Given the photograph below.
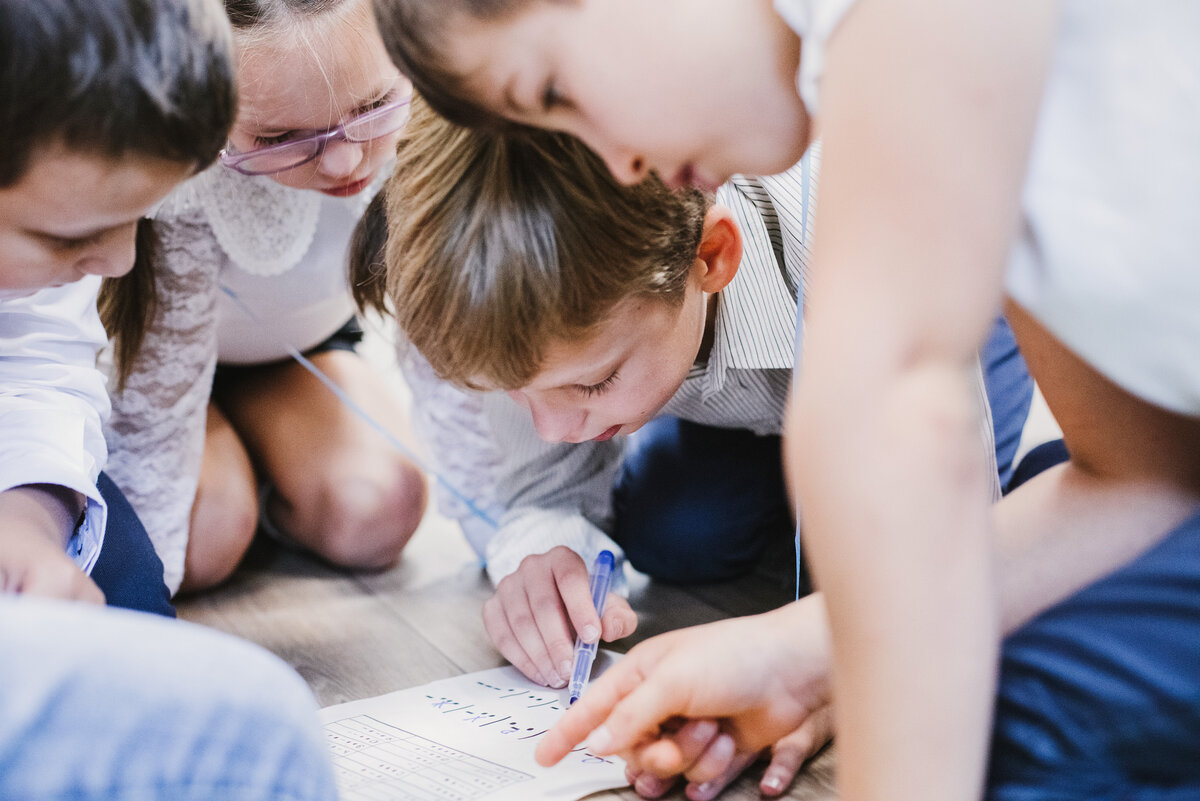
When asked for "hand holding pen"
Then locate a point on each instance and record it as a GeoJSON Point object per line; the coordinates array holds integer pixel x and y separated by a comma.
{"type": "Point", "coordinates": [537, 611]}
{"type": "Point", "coordinates": [585, 652]}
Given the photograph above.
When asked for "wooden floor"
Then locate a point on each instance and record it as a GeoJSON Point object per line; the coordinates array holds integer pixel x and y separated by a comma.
{"type": "Point", "coordinates": [353, 636]}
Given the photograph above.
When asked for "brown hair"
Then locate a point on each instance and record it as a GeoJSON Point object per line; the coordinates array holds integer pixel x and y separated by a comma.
{"type": "Point", "coordinates": [501, 243]}
{"type": "Point", "coordinates": [414, 33]}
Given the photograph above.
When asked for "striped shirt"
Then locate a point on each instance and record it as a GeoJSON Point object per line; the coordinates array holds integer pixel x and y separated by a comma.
{"type": "Point", "coordinates": [548, 494]}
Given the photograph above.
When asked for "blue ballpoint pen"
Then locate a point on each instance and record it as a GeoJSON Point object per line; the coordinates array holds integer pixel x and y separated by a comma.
{"type": "Point", "coordinates": [585, 652]}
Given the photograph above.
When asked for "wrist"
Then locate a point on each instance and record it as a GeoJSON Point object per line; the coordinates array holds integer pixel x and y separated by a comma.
{"type": "Point", "coordinates": [47, 510]}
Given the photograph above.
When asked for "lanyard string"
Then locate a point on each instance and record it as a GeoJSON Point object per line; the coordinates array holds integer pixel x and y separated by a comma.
{"type": "Point", "coordinates": [805, 184]}
{"type": "Point", "coordinates": [362, 414]}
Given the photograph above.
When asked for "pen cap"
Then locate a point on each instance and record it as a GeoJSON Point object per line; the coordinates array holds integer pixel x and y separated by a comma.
{"type": "Point", "coordinates": [601, 578]}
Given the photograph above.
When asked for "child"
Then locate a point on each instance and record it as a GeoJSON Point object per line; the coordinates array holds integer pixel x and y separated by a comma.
{"type": "Point", "coordinates": [104, 106]}
{"type": "Point", "coordinates": [517, 263]}
{"type": "Point", "coordinates": [87, 152]}
{"type": "Point", "coordinates": [250, 258]}
{"type": "Point", "coordinates": [944, 103]}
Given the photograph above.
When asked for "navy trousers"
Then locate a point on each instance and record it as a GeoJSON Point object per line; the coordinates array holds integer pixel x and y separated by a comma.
{"type": "Point", "coordinates": [697, 503]}
{"type": "Point", "coordinates": [128, 570]}
{"type": "Point", "coordinates": [1099, 696]}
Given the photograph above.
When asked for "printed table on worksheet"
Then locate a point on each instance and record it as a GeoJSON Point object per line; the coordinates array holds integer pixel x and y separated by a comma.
{"type": "Point", "coordinates": [467, 737]}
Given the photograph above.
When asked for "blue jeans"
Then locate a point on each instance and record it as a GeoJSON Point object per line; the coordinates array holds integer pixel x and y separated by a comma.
{"type": "Point", "coordinates": [128, 569]}
{"type": "Point", "coordinates": [697, 503]}
{"type": "Point", "coordinates": [100, 704]}
{"type": "Point", "coordinates": [1099, 696]}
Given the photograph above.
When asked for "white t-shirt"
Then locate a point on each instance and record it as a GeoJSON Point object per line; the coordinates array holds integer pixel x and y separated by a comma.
{"type": "Point", "coordinates": [1108, 255]}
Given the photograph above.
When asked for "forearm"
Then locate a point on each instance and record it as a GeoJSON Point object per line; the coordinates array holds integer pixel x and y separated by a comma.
{"type": "Point", "coordinates": [901, 553]}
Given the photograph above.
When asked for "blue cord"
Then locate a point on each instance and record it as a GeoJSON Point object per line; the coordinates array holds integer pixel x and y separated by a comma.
{"type": "Point", "coordinates": [362, 413]}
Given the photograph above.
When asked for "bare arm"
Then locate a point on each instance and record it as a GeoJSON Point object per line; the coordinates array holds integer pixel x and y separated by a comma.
{"type": "Point", "coordinates": [36, 521]}
{"type": "Point", "coordinates": [927, 118]}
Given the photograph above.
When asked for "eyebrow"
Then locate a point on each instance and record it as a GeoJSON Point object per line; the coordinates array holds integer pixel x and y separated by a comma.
{"type": "Point", "coordinates": [358, 104]}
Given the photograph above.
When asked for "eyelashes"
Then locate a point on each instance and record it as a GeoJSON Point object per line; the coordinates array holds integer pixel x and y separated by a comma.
{"type": "Point", "coordinates": [596, 389]}
{"type": "Point", "coordinates": [551, 97]}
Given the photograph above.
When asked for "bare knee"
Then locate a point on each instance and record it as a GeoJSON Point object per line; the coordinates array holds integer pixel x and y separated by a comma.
{"type": "Point", "coordinates": [362, 520]}
{"type": "Point", "coordinates": [224, 518]}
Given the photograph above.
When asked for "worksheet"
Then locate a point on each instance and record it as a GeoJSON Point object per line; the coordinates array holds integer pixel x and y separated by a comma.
{"type": "Point", "coordinates": [466, 737]}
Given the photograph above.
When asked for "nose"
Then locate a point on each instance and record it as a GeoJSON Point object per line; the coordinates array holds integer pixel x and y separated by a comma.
{"type": "Point", "coordinates": [626, 166]}
{"type": "Point", "coordinates": [553, 422]}
{"type": "Point", "coordinates": [111, 258]}
{"type": "Point", "coordinates": [341, 158]}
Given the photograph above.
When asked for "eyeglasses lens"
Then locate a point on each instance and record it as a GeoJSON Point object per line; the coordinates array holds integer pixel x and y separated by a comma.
{"type": "Point", "coordinates": [374, 124]}
{"type": "Point", "coordinates": [283, 158]}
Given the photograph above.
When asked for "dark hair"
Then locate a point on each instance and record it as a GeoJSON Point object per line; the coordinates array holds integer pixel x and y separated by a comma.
{"type": "Point", "coordinates": [367, 261]}
{"type": "Point", "coordinates": [246, 14]}
{"type": "Point", "coordinates": [414, 34]}
{"type": "Point", "coordinates": [117, 78]}
{"type": "Point", "coordinates": [500, 244]}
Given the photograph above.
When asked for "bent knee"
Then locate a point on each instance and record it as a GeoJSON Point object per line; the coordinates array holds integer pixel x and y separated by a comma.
{"type": "Point", "coordinates": [224, 519]}
{"type": "Point", "coordinates": [366, 522]}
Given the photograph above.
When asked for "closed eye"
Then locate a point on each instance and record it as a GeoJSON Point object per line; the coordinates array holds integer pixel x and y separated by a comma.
{"type": "Point", "coordinates": [67, 243]}
{"type": "Point", "coordinates": [275, 139]}
{"type": "Point", "coordinates": [600, 388]}
{"type": "Point", "coordinates": [551, 97]}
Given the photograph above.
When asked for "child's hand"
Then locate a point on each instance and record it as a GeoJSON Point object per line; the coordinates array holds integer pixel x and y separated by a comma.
{"type": "Point", "coordinates": [32, 559]}
{"type": "Point", "coordinates": [706, 751]}
{"type": "Point", "coordinates": [762, 677]}
{"type": "Point", "coordinates": [533, 617]}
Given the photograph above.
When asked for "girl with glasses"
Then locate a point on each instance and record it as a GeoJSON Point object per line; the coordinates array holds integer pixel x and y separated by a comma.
{"type": "Point", "coordinates": [216, 431]}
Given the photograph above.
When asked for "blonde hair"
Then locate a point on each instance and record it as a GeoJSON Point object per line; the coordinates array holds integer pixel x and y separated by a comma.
{"type": "Point", "coordinates": [501, 243]}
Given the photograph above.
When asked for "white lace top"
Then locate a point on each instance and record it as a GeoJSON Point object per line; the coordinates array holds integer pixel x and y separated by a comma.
{"type": "Point", "coordinates": [283, 252]}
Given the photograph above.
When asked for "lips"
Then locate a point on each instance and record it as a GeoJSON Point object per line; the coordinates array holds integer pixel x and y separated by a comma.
{"type": "Point", "coordinates": [687, 176]}
{"type": "Point", "coordinates": [346, 190]}
{"type": "Point", "coordinates": [608, 434]}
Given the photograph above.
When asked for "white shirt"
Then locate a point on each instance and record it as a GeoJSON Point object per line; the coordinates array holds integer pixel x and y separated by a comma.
{"type": "Point", "coordinates": [53, 401]}
{"type": "Point", "coordinates": [1109, 244]}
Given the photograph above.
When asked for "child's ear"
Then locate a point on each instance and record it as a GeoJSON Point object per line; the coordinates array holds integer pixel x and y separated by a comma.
{"type": "Point", "coordinates": [720, 249]}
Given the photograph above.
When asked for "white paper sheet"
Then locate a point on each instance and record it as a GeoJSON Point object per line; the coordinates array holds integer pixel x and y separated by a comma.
{"type": "Point", "coordinates": [466, 737]}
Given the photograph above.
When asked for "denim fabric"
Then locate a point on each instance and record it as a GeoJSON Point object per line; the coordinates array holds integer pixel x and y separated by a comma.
{"type": "Point", "coordinates": [1099, 696]}
{"type": "Point", "coordinates": [128, 570]}
{"type": "Point", "coordinates": [104, 704]}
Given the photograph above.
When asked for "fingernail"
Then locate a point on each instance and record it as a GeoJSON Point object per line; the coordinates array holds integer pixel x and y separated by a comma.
{"type": "Point", "coordinates": [708, 789]}
{"type": "Point", "coordinates": [650, 786]}
{"type": "Point", "coordinates": [589, 634]}
{"type": "Point", "coordinates": [703, 731]}
{"type": "Point", "coordinates": [772, 782]}
{"type": "Point", "coordinates": [599, 739]}
{"type": "Point", "coordinates": [565, 669]}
